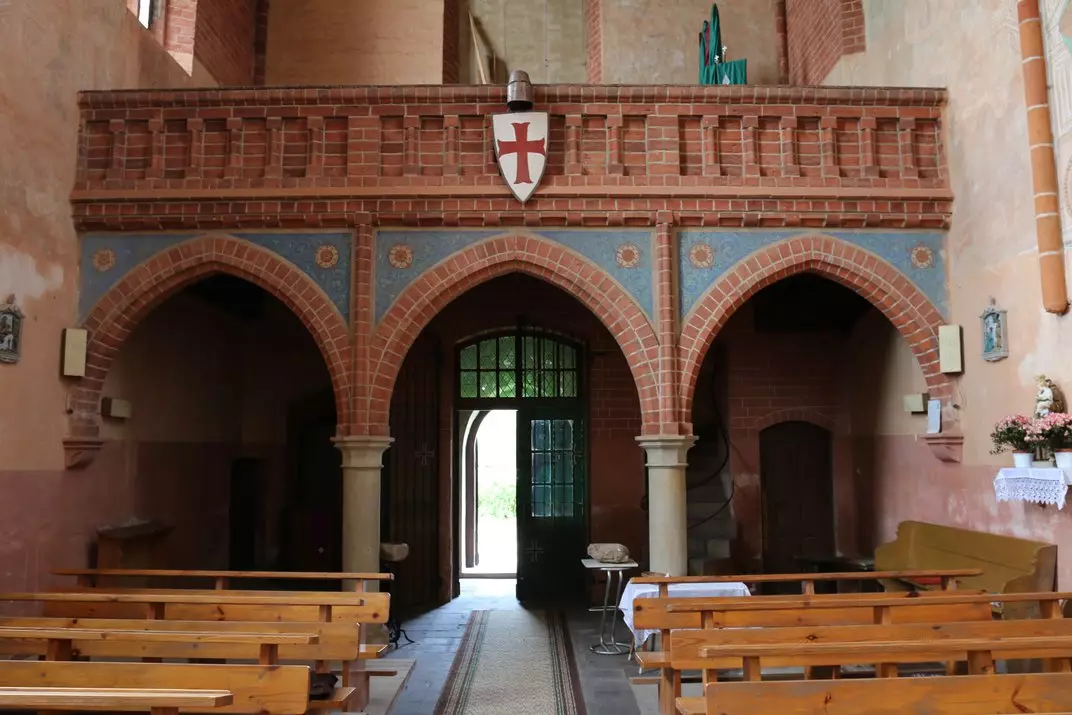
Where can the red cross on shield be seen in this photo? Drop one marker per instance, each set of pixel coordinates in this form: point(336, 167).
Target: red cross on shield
point(521, 149)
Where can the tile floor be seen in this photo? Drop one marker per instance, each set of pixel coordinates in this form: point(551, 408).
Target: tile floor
point(604, 679)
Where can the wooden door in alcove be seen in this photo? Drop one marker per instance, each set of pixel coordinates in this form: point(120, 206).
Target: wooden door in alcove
point(796, 478)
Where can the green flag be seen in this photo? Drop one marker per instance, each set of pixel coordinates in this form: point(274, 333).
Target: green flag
point(713, 67)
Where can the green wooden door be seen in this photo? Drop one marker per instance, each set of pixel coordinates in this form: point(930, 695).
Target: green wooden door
point(552, 504)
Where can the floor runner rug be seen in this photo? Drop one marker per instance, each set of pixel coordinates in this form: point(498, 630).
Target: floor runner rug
point(513, 662)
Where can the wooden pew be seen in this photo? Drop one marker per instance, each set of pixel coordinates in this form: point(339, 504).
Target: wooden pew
point(157, 702)
point(65, 643)
point(947, 578)
point(336, 641)
point(222, 579)
point(188, 605)
point(255, 689)
point(667, 614)
point(954, 695)
point(181, 604)
point(693, 649)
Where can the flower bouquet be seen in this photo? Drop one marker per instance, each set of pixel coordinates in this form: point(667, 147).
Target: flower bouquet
point(1014, 433)
point(1054, 431)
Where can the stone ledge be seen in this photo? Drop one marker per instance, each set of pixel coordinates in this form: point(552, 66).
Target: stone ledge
point(947, 448)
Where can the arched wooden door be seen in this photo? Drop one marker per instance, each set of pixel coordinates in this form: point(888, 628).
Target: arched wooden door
point(796, 477)
point(540, 375)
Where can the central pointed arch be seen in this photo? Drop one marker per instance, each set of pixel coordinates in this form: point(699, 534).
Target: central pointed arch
point(430, 292)
point(912, 313)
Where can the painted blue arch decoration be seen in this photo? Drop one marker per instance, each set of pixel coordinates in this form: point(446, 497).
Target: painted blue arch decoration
point(324, 257)
point(706, 255)
point(402, 255)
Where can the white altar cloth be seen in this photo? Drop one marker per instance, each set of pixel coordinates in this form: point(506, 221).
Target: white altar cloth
point(1041, 486)
point(677, 590)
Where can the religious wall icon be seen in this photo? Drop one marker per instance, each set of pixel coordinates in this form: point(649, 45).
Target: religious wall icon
point(520, 139)
point(995, 334)
point(10, 331)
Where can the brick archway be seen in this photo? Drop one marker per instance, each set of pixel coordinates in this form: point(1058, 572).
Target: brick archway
point(814, 417)
point(885, 287)
point(483, 261)
point(150, 283)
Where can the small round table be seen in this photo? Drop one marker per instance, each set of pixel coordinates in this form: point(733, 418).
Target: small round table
point(607, 645)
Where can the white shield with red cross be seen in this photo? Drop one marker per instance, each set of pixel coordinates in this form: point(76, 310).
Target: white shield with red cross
point(521, 148)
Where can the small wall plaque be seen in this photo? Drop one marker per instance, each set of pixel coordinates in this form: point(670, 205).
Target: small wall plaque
point(10, 331)
point(995, 334)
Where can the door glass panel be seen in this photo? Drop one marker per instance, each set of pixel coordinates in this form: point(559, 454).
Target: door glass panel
point(487, 355)
point(563, 437)
point(506, 384)
point(541, 439)
point(487, 384)
point(468, 384)
point(467, 361)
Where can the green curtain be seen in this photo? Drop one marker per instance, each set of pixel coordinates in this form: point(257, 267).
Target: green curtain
point(712, 69)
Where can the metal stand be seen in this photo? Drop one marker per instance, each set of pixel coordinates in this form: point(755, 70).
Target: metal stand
point(607, 645)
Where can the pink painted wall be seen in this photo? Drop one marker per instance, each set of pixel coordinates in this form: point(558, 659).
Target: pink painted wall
point(973, 50)
point(58, 48)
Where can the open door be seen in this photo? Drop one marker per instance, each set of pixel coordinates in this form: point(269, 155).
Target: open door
point(552, 505)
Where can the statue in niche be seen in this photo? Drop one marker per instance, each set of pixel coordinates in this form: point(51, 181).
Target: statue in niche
point(10, 331)
point(995, 346)
point(1048, 398)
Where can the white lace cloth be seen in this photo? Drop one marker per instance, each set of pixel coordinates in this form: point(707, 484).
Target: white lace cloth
point(1041, 486)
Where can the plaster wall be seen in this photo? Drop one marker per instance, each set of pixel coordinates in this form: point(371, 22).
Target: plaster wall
point(321, 42)
point(973, 50)
point(656, 41)
point(545, 38)
point(52, 49)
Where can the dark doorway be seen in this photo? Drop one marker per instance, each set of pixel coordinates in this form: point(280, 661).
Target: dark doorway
point(313, 519)
point(248, 477)
point(796, 476)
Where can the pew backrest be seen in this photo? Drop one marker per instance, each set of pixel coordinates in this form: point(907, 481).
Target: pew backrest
point(273, 690)
point(951, 695)
point(945, 578)
point(336, 640)
point(221, 578)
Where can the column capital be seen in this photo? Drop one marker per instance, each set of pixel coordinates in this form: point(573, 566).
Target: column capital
point(362, 451)
point(666, 450)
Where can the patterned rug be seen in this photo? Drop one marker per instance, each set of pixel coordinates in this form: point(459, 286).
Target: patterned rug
point(513, 661)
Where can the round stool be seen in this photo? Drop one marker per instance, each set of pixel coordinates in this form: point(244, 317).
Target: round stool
point(391, 554)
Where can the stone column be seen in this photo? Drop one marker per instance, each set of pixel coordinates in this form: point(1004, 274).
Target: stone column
point(362, 462)
point(667, 522)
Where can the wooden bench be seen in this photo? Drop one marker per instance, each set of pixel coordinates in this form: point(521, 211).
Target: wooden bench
point(946, 578)
point(222, 579)
point(244, 606)
point(668, 614)
point(1009, 564)
point(954, 695)
point(335, 641)
point(692, 649)
point(157, 702)
point(255, 689)
point(191, 605)
point(65, 643)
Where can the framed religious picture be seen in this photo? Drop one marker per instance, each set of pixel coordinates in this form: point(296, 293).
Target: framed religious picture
point(995, 334)
point(10, 331)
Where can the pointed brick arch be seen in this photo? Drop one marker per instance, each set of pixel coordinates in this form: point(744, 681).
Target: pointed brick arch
point(885, 287)
point(481, 262)
point(150, 283)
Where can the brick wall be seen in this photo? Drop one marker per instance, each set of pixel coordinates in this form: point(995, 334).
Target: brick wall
point(735, 155)
point(593, 20)
point(260, 42)
point(451, 51)
point(224, 40)
point(819, 33)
